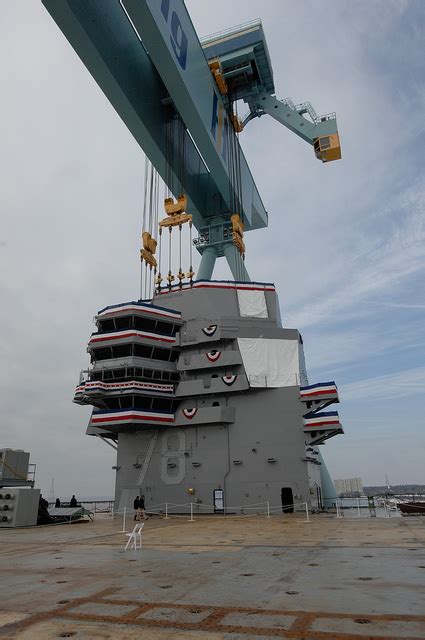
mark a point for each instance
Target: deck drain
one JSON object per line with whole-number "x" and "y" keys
{"x": 421, "y": 566}
{"x": 216, "y": 561}
{"x": 67, "y": 634}
{"x": 62, "y": 602}
{"x": 59, "y": 568}
{"x": 292, "y": 593}
{"x": 61, "y": 581}
{"x": 165, "y": 586}
{"x": 365, "y": 578}
{"x": 362, "y": 621}
{"x": 247, "y": 574}
{"x": 146, "y": 571}
{"x": 368, "y": 556}
{"x": 313, "y": 564}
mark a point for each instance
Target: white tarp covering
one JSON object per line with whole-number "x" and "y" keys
{"x": 270, "y": 362}
{"x": 252, "y": 304}
{"x": 303, "y": 368}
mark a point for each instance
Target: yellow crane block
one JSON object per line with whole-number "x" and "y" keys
{"x": 149, "y": 243}
{"x": 217, "y": 71}
{"x": 176, "y": 220}
{"x": 179, "y": 206}
{"x": 237, "y": 123}
{"x": 176, "y": 212}
{"x": 148, "y": 250}
{"x": 237, "y": 233}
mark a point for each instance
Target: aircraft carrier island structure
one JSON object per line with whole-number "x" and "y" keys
{"x": 207, "y": 395}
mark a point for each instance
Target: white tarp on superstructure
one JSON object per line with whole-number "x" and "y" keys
{"x": 270, "y": 362}
{"x": 252, "y": 304}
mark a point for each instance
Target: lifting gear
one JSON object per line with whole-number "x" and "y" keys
{"x": 191, "y": 272}
{"x": 236, "y": 122}
{"x": 217, "y": 71}
{"x": 148, "y": 250}
{"x": 170, "y": 276}
{"x": 175, "y": 211}
{"x": 237, "y": 233}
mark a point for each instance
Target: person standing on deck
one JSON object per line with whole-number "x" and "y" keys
{"x": 136, "y": 506}
{"x": 141, "y": 511}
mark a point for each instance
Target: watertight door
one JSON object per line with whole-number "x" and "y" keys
{"x": 287, "y": 499}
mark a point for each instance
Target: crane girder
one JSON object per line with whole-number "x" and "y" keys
{"x": 107, "y": 43}
{"x": 167, "y": 32}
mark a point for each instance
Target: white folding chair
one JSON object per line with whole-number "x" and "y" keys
{"x": 135, "y": 535}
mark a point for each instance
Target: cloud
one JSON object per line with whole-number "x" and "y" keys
{"x": 400, "y": 384}
{"x": 378, "y": 264}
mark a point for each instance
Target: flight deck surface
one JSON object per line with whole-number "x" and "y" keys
{"x": 218, "y": 578}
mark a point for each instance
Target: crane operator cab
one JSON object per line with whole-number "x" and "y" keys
{"x": 327, "y": 148}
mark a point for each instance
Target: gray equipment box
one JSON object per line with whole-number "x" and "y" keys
{"x": 19, "y": 507}
{"x": 14, "y": 465}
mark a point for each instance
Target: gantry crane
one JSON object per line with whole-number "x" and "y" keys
{"x": 146, "y": 57}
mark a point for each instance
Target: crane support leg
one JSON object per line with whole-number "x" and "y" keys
{"x": 236, "y": 264}
{"x": 206, "y": 267}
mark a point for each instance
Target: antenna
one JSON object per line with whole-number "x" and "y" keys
{"x": 52, "y": 491}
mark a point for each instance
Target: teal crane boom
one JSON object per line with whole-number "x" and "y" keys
{"x": 146, "y": 57}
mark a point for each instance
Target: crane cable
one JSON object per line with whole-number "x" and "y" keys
{"x": 232, "y": 172}
{"x": 191, "y": 272}
{"x": 159, "y": 277}
{"x": 170, "y": 277}
{"x": 145, "y": 192}
{"x": 235, "y": 178}
{"x": 155, "y": 226}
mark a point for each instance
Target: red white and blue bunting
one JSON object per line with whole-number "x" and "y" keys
{"x": 229, "y": 380}
{"x": 210, "y": 330}
{"x": 97, "y": 387}
{"x": 214, "y": 355}
{"x": 132, "y": 333}
{"x": 189, "y": 413}
{"x": 111, "y": 418}
{"x": 128, "y": 308}
{"x": 222, "y": 284}
{"x": 323, "y": 420}
{"x": 315, "y": 391}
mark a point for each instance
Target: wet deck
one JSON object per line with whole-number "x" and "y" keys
{"x": 216, "y": 579}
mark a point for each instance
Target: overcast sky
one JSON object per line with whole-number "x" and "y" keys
{"x": 345, "y": 244}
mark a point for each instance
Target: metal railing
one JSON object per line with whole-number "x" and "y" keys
{"x": 192, "y": 509}
{"x": 230, "y": 31}
{"x": 96, "y": 506}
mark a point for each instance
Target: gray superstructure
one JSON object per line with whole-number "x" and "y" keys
{"x": 203, "y": 390}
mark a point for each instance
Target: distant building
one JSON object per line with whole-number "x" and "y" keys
{"x": 348, "y": 486}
